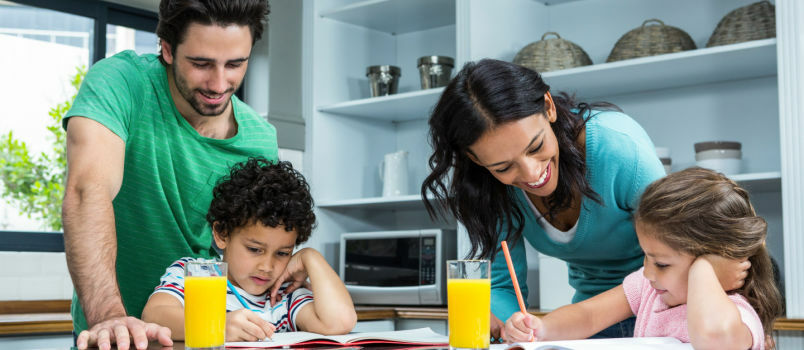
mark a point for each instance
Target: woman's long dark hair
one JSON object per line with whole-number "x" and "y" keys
{"x": 482, "y": 96}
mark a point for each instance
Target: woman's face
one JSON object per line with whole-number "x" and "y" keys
{"x": 521, "y": 153}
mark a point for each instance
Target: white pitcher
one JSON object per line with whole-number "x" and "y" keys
{"x": 394, "y": 174}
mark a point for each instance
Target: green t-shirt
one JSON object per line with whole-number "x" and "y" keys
{"x": 169, "y": 170}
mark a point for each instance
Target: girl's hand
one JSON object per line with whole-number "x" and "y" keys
{"x": 730, "y": 273}
{"x": 521, "y": 327}
{"x": 246, "y": 325}
{"x": 295, "y": 273}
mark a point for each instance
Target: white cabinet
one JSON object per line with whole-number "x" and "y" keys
{"x": 746, "y": 92}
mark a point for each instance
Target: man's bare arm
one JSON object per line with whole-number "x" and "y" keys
{"x": 94, "y": 175}
{"x": 95, "y": 158}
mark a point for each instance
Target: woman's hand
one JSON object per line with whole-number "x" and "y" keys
{"x": 730, "y": 273}
{"x": 247, "y": 325}
{"x": 295, "y": 273}
{"x": 495, "y": 326}
{"x": 521, "y": 327}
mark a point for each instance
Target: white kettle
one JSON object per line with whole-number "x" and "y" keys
{"x": 394, "y": 174}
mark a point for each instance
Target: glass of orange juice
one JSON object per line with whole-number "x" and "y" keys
{"x": 468, "y": 303}
{"x": 204, "y": 305}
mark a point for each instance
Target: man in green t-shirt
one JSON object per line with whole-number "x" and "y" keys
{"x": 147, "y": 138}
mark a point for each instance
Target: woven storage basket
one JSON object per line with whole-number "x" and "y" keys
{"x": 752, "y": 22}
{"x": 552, "y": 54}
{"x": 649, "y": 40}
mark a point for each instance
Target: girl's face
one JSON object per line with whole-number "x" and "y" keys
{"x": 667, "y": 269}
{"x": 521, "y": 153}
{"x": 256, "y": 255}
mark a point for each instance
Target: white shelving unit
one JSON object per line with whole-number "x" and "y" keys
{"x": 729, "y": 92}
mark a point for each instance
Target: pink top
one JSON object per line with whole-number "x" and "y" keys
{"x": 655, "y": 319}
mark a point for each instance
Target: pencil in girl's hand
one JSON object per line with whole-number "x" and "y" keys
{"x": 513, "y": 277}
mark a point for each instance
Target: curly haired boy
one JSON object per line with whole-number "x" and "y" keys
{"x": 259, "y": 213}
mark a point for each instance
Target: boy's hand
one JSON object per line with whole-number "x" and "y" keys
{"x": 522, "y": 327}
{"x": 730, "y": 273}
{"x": 246, "y": 325}
{"x": 295, "y": 273}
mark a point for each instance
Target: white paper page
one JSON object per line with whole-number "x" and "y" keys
{"x": 420, "y": 335}
{"x": 647, "y": 343}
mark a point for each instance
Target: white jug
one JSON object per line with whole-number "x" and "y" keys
{"x": 394, "y": 174}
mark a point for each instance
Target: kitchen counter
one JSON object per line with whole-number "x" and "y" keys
{"x": 53, "y": 316}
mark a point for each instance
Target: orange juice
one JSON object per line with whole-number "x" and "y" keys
{"x": 204, "y": 311}
{"x": 468, "y": 308}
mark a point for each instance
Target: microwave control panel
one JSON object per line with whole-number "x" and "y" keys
{"x": 428, "y": 260}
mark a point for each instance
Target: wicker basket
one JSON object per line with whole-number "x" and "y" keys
{"x": 552, "y": 54}
{"x": 649, "y": 40}
{"x": 752, "y": 22}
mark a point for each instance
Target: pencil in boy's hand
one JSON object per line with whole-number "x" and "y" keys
{"x": 513, "y": 277}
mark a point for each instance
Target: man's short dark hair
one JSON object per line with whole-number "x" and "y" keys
{"x": 176, "y": 15}
{"x": 260, "y": 191}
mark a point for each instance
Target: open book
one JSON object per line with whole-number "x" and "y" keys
{"x": 648, "y": 343}
{"x": 420, "y": 336}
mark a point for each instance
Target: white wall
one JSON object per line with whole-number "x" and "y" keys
{"x": 34, "y": 276}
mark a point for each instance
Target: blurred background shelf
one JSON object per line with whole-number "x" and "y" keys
{"x": 413, "y": 201}
{"x": 396, "y": 16}
{"x": 760, "y": 182}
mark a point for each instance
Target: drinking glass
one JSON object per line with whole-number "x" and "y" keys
{"x": 468, "y": 303}
{"x": 204, "y": 305}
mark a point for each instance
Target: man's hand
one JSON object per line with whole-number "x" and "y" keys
{"x": 120, "y": 331}
{"x": 730, "y": 273}
{"x": 247, "y": 325}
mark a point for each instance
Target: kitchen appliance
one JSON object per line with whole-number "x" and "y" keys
{"x": 397, "y": 267}
{"x": 394, "y": 174}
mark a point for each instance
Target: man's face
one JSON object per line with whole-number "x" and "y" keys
{"x": 208, "y": 67}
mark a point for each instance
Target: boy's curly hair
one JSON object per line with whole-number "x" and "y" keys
{"x": 257, "y": 190}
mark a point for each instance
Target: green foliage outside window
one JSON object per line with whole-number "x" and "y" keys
{"x": 35, "y": 184}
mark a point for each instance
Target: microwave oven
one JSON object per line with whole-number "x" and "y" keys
{"x": 397, "y": 267}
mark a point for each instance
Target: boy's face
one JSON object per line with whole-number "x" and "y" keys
{"x": 256, "y": 255}
{"x": 666, "y": 268}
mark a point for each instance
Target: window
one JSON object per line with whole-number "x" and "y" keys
{"x": 41, "y": 51}
{"x": 44, "y": 42}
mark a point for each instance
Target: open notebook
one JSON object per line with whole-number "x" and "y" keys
{"x": 420, "y": 336}
{"x": 648, "y": 343}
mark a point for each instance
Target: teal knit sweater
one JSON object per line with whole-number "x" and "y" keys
{"x": 620, "y": 163}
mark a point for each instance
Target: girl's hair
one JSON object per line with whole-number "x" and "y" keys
{"x": 698, "y": 212}
{"x": 482, "y": 96}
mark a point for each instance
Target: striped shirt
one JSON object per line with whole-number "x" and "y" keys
{"x": 282, "y": 315}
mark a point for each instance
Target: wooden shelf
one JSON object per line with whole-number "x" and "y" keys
{"x": 396, "y": 16}
{"x": 413, "y": 201}
{"x": 747, "y": 60}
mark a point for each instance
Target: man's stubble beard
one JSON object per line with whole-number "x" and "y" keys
{"x": 190, "y": 97}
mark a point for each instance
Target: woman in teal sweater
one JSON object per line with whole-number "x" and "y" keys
{"x": 531, "y": 166}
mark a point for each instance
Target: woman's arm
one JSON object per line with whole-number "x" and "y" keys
{"x": 164, "y": 309}
{"x": 574, "y": 321}
{"x": 713, "y": 320}
{"x": 332, "y": 310}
